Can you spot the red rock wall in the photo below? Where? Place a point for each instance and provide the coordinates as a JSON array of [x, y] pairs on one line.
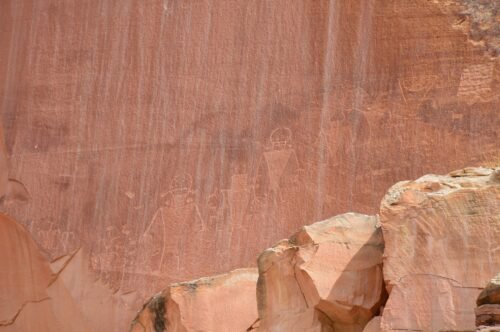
[[175, 139]]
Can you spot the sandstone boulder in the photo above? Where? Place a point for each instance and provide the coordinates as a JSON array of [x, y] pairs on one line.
[[442, 243], [224, 303], [326, 277], [491, 293], [488, 301]]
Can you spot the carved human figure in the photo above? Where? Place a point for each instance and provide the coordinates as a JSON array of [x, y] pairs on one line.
[[163, 244], [278, 167]]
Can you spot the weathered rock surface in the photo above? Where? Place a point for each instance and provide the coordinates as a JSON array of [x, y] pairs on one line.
[[141, 127], [491, 293], [488, 315], [327, 277], [488, 301], [442, 243], [480, 19], [224, 303], [173, 139], [437, 238], [60, 296], [373, 325], [31, 298], [102, 308]]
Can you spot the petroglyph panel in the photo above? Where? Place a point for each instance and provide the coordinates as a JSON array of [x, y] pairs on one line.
[[176, 143]]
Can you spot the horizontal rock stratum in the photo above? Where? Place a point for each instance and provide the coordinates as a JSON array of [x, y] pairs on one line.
[[418, 265]]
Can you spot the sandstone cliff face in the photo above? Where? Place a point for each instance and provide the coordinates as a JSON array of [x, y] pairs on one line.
[[222, 303], [442, 242], [175, 139]]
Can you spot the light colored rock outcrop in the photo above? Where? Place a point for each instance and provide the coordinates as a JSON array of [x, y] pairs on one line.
[[102, 309], [488, 310], [327, 277], [31, 296], [442, 243], [36, 295], [223, 303]]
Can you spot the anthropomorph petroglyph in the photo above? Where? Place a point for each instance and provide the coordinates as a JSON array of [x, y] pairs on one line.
[[161, 245], [278, 168]]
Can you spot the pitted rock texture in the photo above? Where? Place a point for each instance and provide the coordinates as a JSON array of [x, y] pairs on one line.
[[327, 277], [223, 303], [442, 243], [488, 301], [480, 19]]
